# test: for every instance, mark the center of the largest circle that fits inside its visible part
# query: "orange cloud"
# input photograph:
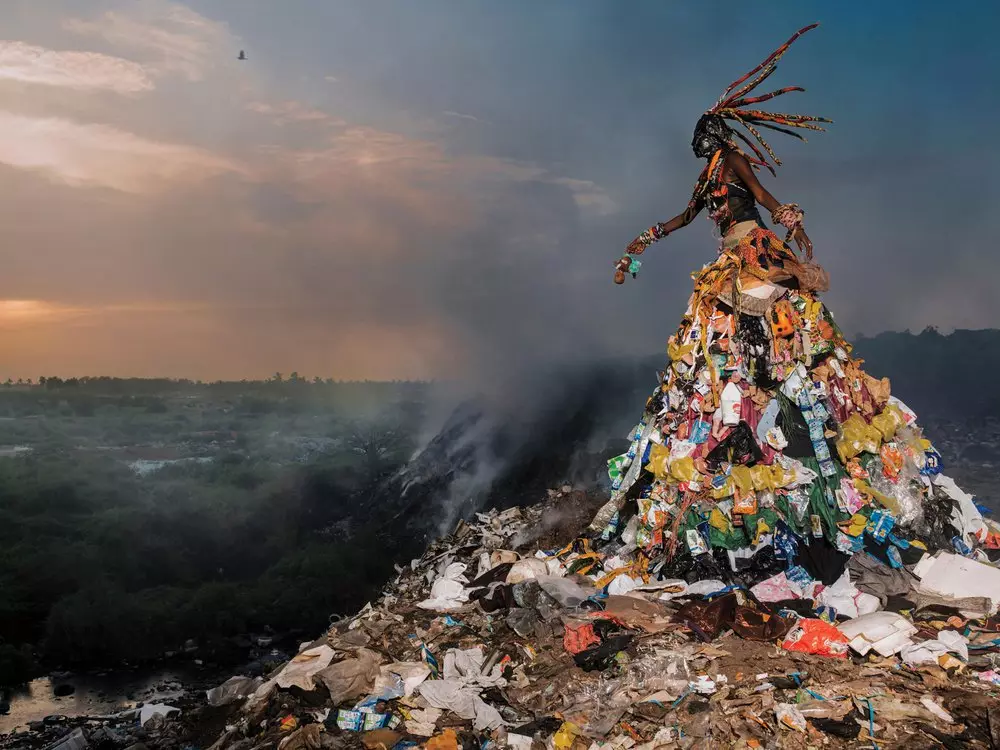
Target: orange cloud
(286, 112)
(173, 37)
(100, 155)
(26, 63)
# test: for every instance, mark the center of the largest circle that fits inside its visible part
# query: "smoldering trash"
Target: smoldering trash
(599, 639)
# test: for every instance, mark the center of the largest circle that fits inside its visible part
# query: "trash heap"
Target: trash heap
(520, 630)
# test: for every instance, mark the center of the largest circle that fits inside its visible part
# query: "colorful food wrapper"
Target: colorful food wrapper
(960, 546)
(816, 525)
(700, 431)
(786, 544)
(799, 575)
(360, 721)
(880, 524)
(617, 467)
(612, 528)
(815, 415)
(696, 542)
(932, 462)
(430, 661)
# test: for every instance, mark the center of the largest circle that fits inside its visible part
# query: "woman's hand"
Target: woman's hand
(804, 243)
(638, 245)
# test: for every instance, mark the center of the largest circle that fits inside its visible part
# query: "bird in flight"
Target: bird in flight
(243, 55)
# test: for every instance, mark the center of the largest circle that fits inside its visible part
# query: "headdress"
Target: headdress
(732, 105)
(735, 100)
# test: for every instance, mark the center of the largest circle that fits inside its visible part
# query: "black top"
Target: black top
(742, 206)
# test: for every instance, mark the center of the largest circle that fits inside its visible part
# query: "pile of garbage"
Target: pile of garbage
(522, 630)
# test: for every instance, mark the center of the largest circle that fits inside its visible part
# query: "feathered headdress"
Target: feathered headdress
(734, 102)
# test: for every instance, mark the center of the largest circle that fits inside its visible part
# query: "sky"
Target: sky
(439, 189)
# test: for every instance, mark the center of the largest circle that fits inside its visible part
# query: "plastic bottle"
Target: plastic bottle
(730, 404)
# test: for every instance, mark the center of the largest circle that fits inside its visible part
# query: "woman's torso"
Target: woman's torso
(731, 202)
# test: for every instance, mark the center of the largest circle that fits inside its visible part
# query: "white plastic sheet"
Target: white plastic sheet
(846, 599)
(885, 632)
(448, 592)
(959, 577)
(299, 672)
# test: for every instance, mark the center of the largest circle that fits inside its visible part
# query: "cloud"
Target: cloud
(588, 195)
(172, 38)
(84, 154)
(460, 115)
(85, 71)
(282, 113)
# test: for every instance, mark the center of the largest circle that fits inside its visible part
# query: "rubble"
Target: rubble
(536, 651)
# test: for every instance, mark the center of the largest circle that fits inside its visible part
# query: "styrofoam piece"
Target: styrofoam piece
(959, 577)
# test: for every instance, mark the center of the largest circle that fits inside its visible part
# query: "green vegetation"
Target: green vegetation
(147, 513)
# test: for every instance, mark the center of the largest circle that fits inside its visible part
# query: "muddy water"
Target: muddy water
(100, 695)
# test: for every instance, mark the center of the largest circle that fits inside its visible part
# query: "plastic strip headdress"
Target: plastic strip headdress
(736, 104)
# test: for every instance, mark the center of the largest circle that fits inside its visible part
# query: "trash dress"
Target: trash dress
(765, 429)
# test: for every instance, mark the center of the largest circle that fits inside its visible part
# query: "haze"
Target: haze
(440, 189)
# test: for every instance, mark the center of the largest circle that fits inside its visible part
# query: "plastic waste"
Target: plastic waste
(567, 591)
(301, 670)
(958, 577)
(730, 404)
(812, 636)
(789, 717)
(400, 678)
(846, 599)
(447, 740)
(233, 690)
(149, 710)
(563, 739)
(448, 592)
(885, 632)
(352, 678)
(523, 621)
(422, 722)
(528, 569)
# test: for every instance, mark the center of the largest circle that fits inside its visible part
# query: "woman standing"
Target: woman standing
(764, 425)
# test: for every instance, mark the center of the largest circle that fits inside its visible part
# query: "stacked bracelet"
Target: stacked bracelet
(788, 215)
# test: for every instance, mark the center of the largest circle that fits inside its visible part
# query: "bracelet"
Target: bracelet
(651, 235)
(788, 215)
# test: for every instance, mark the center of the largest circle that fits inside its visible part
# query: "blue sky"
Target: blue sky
(416, 189)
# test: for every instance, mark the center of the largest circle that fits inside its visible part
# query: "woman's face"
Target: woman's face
(706, 139)
(704, 145)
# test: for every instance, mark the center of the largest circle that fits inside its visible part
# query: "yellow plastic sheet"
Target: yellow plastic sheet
(857, 437)
(888, 422)
(659, 461)
(682, 469)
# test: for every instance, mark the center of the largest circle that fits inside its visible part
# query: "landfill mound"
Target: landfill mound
(522, 629)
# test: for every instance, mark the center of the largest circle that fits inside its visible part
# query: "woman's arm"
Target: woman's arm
(741, 167)
(651, 235)
(661, 230)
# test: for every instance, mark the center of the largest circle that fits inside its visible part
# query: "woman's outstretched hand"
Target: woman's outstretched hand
(637, 246)
(804, 243)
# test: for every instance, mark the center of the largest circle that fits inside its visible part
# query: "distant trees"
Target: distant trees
(92, 554)
(378, 442)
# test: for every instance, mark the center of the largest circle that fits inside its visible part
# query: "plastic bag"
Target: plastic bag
(816, 637)
(888, 422)
(790, 717)
(857, 436)
(568, 592)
